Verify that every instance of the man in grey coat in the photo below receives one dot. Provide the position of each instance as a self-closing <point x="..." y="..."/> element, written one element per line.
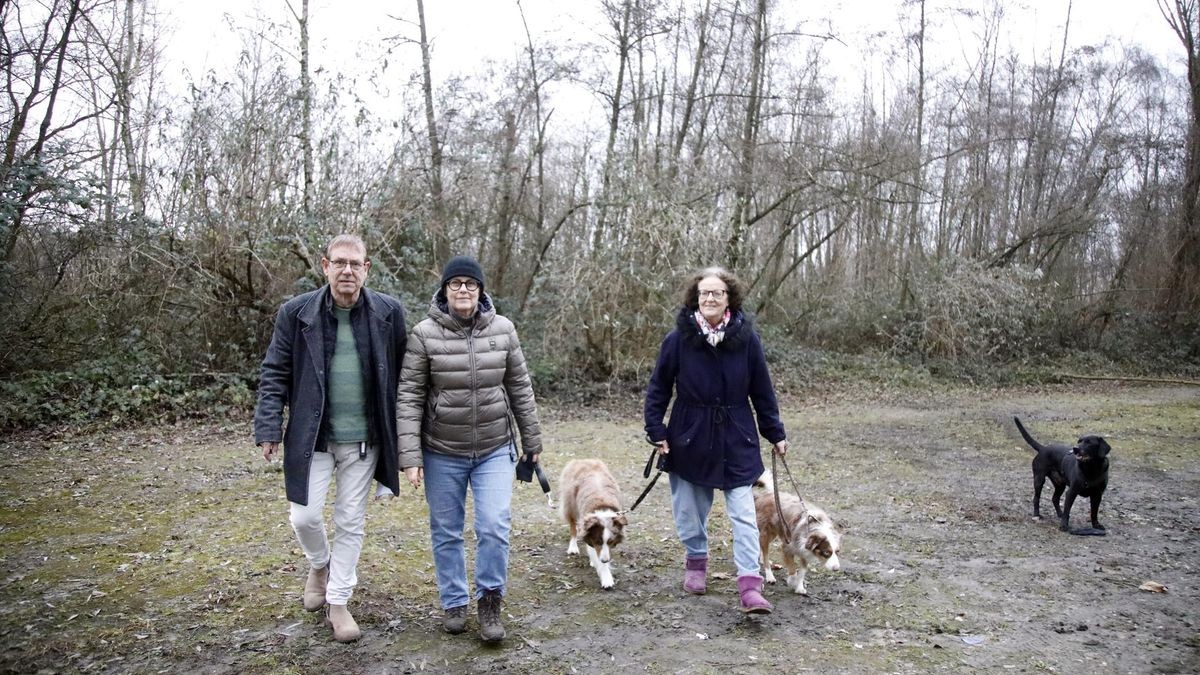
<point x="334" y="361"/>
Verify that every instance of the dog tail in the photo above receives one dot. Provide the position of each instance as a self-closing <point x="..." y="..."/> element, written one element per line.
<point x="1025" y="434"/>
<point x="765" y="482"/>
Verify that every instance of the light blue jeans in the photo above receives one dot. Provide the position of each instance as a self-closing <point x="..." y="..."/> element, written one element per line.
<point x="691" y="503"/>
<point x="491" y="480"/>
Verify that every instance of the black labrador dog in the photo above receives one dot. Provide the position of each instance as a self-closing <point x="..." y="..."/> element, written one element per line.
<point x="1081" y="470"/>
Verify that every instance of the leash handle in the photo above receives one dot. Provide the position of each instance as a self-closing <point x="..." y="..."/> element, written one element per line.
<point x="661" y="465"/>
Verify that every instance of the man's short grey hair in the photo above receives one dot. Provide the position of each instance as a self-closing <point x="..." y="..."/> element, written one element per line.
<point x="343" y="239"/>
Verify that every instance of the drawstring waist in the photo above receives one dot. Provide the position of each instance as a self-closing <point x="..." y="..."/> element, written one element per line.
<point x="719" y="412"/>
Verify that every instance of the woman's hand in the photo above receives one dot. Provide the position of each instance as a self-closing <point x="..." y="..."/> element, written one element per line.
<point x="663" y="448"/>
<point x="414" y="474"/>
<point x="781" y="447"/>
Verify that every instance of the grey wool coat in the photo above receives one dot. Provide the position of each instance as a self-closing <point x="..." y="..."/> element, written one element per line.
<point x="462" y="386"/>
<point x="294" y="374"/>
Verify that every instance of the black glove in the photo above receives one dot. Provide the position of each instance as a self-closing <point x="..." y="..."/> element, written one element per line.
<point x="525" y="469"/>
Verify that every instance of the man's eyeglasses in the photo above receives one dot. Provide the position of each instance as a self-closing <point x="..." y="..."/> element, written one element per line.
<point x="457" y="284"/>
<point x="715" y="295"/>
<point x="352" y="264"/>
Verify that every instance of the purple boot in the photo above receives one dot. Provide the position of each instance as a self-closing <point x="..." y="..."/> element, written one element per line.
<point x="693" y="576"/>
<point x="753" y="602"/>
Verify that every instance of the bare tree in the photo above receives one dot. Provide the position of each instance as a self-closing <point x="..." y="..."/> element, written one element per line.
<point x="34" y="77"/>
<point x="1182" y="293"/>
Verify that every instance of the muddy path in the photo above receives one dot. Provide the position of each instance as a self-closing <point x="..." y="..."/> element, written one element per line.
<point x="168" y="550"/>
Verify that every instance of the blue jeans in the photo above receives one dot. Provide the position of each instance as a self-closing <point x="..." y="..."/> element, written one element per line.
<point x="490" y="478"/>
<point x="690" y="503"/>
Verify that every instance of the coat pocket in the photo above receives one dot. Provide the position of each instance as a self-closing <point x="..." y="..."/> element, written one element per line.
<point x="685" y="433"/>
<point x="743" y="423"/>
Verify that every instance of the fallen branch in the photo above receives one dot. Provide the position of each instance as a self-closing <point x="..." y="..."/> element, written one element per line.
<point x="1191" y="383"/>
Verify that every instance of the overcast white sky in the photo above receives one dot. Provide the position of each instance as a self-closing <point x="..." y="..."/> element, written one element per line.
<point x="464" y="32"/>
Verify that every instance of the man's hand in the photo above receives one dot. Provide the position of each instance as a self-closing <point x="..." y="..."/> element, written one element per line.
<point x="414" y="474"/>
<point x="781" y="447"/>
<point x="663" y="448"/>
<point x="269" y="449"/>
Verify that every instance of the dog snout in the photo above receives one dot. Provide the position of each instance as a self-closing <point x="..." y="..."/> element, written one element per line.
<point x="605" y="556"/>
<point x="833" y="564"/>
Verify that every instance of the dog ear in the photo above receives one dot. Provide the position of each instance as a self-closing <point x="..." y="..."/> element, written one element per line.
<point x="621" y="520"/>
<point x="1104" y="448"/>
<point x="813" y="542"/>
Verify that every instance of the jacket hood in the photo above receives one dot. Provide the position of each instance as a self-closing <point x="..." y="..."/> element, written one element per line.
<point x="439" y="311"/>
<point x="736" y="332"/>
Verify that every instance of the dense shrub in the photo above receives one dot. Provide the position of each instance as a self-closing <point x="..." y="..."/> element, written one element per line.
<point x="961" y="310"/>
<point x="119" y="390"/>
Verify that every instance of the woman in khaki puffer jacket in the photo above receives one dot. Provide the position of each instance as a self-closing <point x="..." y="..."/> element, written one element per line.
<point x="463" y="382"/>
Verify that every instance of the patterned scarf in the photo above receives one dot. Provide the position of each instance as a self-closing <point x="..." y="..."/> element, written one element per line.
<point x="713" y="335"/>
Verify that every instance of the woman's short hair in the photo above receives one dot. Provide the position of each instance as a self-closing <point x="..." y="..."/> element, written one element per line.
<point x="691" y="292"/>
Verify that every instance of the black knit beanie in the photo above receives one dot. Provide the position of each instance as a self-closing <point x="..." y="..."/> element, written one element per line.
<point x="462" y="266"/>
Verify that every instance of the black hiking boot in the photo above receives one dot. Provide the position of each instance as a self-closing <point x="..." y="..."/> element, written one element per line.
<point x="490" y="628"/>
<point x="455" y="620"/>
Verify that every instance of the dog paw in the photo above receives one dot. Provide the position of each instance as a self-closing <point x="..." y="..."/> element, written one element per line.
<point x="768" y="577"/>
<point x="572" y="548"/>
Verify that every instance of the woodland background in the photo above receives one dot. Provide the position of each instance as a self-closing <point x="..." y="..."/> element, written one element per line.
<point x="975" y="222"/>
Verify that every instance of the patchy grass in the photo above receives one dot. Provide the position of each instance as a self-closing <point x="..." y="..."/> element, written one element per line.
<point x="168" y="549"/>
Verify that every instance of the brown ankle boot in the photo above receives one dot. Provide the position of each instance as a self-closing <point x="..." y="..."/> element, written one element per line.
<point x="345" y="628"/>
<point x="314" y="588"/>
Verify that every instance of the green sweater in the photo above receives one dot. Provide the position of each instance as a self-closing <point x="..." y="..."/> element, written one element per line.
<point x="347" y="391"/>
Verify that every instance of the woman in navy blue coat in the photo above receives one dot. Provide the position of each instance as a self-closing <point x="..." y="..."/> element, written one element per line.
<point x="713" y="365"/>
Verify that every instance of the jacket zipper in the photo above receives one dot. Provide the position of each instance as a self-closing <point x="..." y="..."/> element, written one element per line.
<point x="474" y="394"/>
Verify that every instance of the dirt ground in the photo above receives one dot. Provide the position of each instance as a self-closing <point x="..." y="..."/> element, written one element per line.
<point x="168" y="550"/>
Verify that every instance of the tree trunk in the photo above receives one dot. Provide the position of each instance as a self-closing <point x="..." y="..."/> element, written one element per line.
<point x="744" y="183"/>
<point x="306" y="97"/>
<point x="437" y="221"/>
<point x="614" y="119"/>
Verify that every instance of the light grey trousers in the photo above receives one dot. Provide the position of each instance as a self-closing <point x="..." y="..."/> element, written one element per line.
<point x="353" y="477"/>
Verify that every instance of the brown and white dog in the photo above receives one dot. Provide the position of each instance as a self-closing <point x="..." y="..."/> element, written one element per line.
<point x="591" y="505"/>
<point x="812" y="538"/>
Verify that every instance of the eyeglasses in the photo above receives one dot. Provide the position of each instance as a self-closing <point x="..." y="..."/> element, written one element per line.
<point x="355" y="265"/>
<point x="457" y="284"/>
<point x="715" y="295"/>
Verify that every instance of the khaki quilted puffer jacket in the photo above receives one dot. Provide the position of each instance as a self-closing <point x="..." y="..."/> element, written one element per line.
<point x="460" y="388"/>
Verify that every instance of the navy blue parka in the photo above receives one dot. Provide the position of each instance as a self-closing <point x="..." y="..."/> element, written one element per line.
<point x="711" y="432"/>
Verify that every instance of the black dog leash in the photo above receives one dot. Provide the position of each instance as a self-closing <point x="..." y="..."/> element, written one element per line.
<point x="783" y="526"/>
<point x="661" y="465"/>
